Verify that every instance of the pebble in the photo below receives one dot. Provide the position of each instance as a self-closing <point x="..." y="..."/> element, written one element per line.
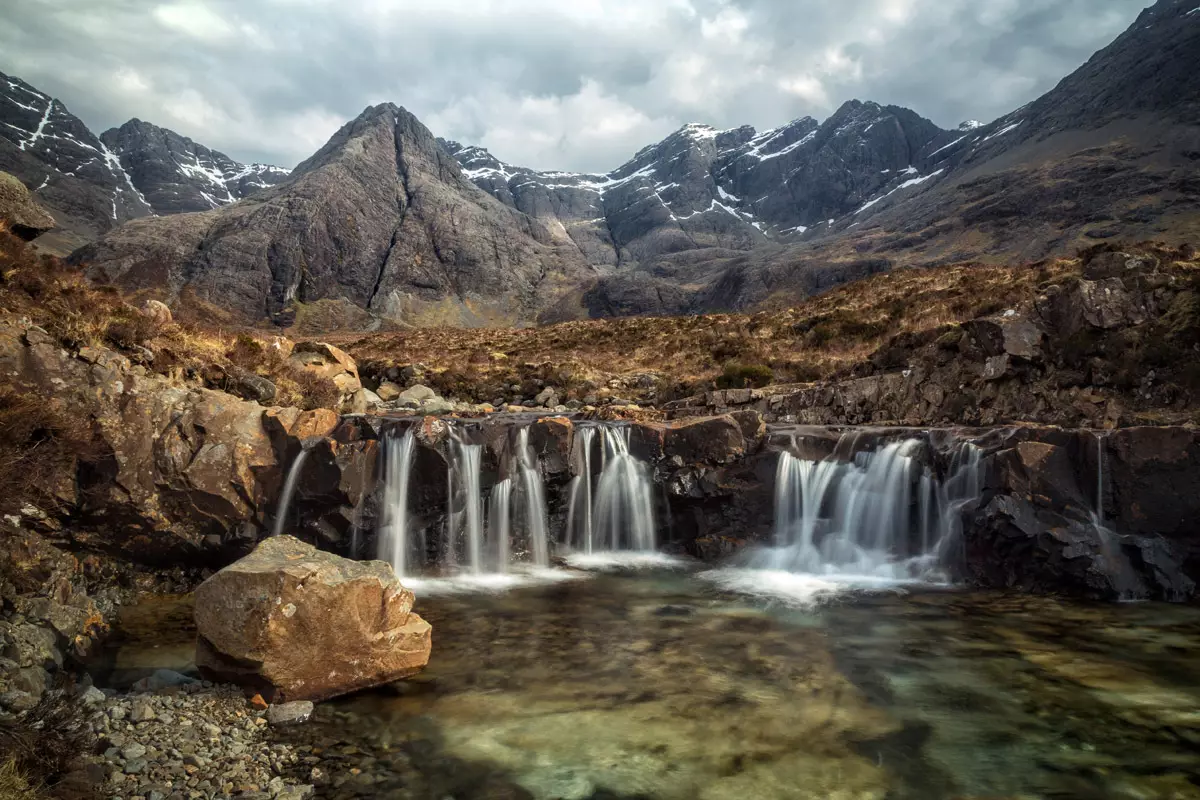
<point x="194" y="741"/>
<point x="290" y="713"/>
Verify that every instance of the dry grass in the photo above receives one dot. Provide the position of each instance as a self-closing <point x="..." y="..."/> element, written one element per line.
<point x="199" y="337"/>
<point x="40" y="749"/>
<point x="821" y="338"/>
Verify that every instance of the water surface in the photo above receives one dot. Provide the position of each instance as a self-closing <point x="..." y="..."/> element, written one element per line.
<point x="666" y="686"/>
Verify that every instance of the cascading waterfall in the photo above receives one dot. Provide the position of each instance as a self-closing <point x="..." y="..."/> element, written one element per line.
<point x="1118" y="566"/>
<point x="622" y="512"/>
<point x="289" y="489"/>
<point x="580" y="534"/>
<point x="532" y="487"/>
<point x="393" y="528"/>
<point x="499" y="527"/>
<point x="879" y="513"/>
<point x="465" y="492"/>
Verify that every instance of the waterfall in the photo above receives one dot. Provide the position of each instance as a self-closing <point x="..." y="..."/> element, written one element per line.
<point x="499" y="529"/>
<point x="1099" y="512"/>
<point x="622" y="510"/>
<point x="464" y="483"/>
<point x="289" y="488"/>
<point x="579" y="531"/>
<point x="880" y="513"/>
<point x="534" y="493"/>
<point x="1116" y="563"/>
<point x="392" y="530"/>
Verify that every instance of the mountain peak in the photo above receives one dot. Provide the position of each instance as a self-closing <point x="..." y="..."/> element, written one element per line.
<point x="969" y="125"/>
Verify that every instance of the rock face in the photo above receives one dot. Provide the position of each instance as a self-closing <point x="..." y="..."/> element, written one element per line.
<point x="1040" y="526"/>
<point x="293" y="623"/>
<point x="380" y="216"/>
<point x="175" y="174"/>
<point x="25" y="218"/>
<point x="1102" y="352"/>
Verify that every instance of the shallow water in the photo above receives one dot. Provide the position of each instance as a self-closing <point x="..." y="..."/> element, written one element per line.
<point x="664" y="685"/>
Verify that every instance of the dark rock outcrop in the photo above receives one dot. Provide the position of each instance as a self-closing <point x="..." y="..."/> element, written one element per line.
<point x="293" y="623"/>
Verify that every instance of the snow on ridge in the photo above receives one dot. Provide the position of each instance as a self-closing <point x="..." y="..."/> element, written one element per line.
<point x="905" y="185"/>
<point x="969" y="125"/>
<point x="947" y="146"/>
<point x="37" y="134"/>
<point x="1002" y="131"/>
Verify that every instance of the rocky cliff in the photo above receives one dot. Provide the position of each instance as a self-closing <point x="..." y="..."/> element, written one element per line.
<point x="381" y="216"/>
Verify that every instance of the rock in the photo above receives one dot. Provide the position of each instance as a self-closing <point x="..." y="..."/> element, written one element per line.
<point x="364" y="400"/>
<point x="258" y="703"/>
<point x="133" y="751"/>
<point x="162" y="679"/>
<point x="158" y="311"/>
<point x="92" y="696"/>
<point x="247" y="385"/>
<point x="26" y="218"/>
<point x="414" y="396"/>
<point x="548" y="397"/>
<point x="389" y="391"/>
<point x="329" y="362"/>
<point x="295" y="623"/>
<point x="290" y="713"/>
<point x="141" y="711"/>
<point x="17" y="701"/>
<point x="1010" y="334"/>
<point x="437" y="406"/>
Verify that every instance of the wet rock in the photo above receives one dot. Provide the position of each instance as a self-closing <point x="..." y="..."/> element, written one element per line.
<point x="292" y="713"/>
<point x="295" y="623"/>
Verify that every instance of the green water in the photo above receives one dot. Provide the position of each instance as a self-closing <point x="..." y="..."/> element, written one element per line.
<point x="659" y="686"/>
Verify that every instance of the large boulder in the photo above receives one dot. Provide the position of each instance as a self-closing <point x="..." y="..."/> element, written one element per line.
<point x="24" y="217"/>
<point x="329" y="362"/>
<point x="294" y="623"/>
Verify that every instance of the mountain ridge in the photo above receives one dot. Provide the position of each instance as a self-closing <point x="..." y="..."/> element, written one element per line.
<point x="707" y="219"/>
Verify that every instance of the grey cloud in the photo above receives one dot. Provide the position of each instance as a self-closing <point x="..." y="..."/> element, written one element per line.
<point x="542" y="83"/>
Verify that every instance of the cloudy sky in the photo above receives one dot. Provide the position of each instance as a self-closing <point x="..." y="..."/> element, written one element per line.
<point x="553" y="84"/>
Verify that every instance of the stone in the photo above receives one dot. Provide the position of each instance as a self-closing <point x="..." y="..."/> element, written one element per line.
<point x="414" y="396"/>
<point x="92" y="696"/>
<point x="27" y="219"/>
<point x="290" y="713"/>
<point x="162" y="679"/>
<point x="158" y="311"/>
<point x="294" y="623"/>
<point x="547" y="398"/>
<point x="141" y="711"/>
<point x="437" y="406"/>
<point x="258" y="703"/>
<point x="329" y="362"/>
<point x="364" y="400"/>
<point x="1012" y="335"/>
<point x="389" y="391"/>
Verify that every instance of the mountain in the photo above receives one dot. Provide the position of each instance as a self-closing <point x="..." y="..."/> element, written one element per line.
<point x="706" y="219"/>
<point x="93" y="183"/>
<point x="380" y="218"/>
<point x="71" y="172"/>
<point x="175" y="174"/>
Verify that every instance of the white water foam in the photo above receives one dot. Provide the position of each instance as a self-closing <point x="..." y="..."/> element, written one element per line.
<point x="489" y="582"/>
<point x="612" y="561"/>
<point x="800" y="589"/>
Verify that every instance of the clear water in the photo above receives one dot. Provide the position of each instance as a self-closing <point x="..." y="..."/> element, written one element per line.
<point x="666" y="685"/>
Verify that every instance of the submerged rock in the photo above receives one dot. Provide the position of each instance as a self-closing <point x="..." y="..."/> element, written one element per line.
<point x="295" y="623"/>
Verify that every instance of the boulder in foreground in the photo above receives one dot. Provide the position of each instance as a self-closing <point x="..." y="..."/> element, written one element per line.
<point x="295" y="623"/>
